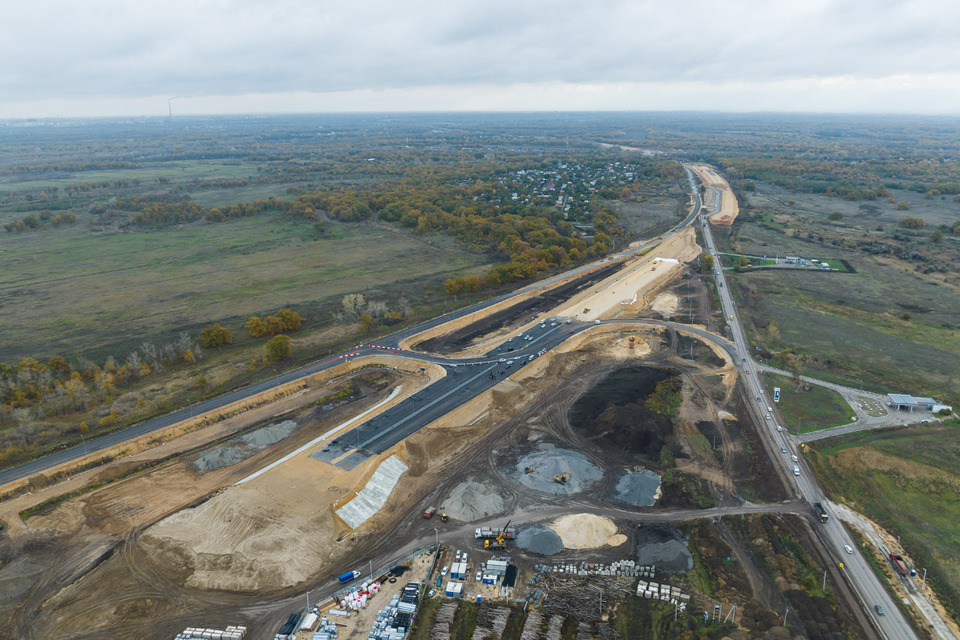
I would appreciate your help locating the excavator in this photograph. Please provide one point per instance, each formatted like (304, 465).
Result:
(443, 516)
(528, 469)
(562, 478)
(499, 542)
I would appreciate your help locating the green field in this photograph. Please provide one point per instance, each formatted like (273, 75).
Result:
(818, 408)
(884, 327)
(68, 291)
(907, 480)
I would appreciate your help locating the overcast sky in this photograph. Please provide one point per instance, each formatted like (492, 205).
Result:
(128, 57)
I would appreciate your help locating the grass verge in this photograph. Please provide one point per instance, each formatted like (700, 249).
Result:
(818, 408)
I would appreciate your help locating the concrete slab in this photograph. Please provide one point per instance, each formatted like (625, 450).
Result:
(374, 495)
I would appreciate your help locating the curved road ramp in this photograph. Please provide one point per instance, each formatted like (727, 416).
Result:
(374, 495)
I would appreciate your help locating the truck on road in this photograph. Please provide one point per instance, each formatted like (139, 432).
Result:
(348, 576)
(821, 512)
(898, 564)
(429, 512)
(486, 533)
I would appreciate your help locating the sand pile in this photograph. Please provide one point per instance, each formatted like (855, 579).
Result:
(471, 501)
(242, 447)
(542, 541)
(587, 531)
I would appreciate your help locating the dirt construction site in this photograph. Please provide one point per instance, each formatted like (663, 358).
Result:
(622, 447)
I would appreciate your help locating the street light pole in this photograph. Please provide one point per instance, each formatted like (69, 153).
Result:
(437, 535)
(84, 443)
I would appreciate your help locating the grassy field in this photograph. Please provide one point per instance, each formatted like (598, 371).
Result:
(818, 408)
(174, 170)
(66, 291)
(908, 480)
(889, 328)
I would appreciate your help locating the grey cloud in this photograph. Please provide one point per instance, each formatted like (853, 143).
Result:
(61, 49)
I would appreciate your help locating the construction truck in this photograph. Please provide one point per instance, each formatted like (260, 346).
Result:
(500, 541)
(562, 478)
(429, 512)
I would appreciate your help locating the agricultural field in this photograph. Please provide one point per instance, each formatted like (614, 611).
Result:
(906, 480)
(68, 291)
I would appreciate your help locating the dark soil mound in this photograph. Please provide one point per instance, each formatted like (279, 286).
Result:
(613, 414)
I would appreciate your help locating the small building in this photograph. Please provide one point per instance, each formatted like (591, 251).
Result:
(905, 401)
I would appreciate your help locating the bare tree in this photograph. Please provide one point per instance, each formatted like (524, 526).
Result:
(133, 361)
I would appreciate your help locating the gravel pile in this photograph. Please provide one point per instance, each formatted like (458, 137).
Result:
(470, 501)
(220, 457)
(546, 542)
(664, 547)
(639, 488)
(549, 461)
(266, 436)
(242, 447)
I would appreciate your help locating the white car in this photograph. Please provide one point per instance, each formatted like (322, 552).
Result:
(847, 548)
(479, 576)
(432, 593)
(779, 428)
(795, 459)
(443, 571)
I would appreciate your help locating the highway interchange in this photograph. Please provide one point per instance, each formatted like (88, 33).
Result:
(467, 378)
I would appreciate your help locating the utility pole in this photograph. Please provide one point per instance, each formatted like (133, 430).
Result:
(308, 600)
(924, 585)
(601, 597)
(824, 587)
(437, 535)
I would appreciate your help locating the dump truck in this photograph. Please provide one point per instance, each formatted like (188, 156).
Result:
(429, 512)
(348, 576)
(899, 565)
(821, 512)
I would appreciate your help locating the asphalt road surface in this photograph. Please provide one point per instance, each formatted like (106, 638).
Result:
(834, 536)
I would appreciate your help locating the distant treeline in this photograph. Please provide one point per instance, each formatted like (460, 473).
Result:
(43, 220)
(863, 180)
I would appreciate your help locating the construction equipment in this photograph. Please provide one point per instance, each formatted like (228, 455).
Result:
(429, 512)
(528, 469)
(443, 517)
(562, 478)
(498, 542)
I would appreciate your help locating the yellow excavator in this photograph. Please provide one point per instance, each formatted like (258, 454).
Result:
(562, 478)
(528, 469)
(499, 542)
